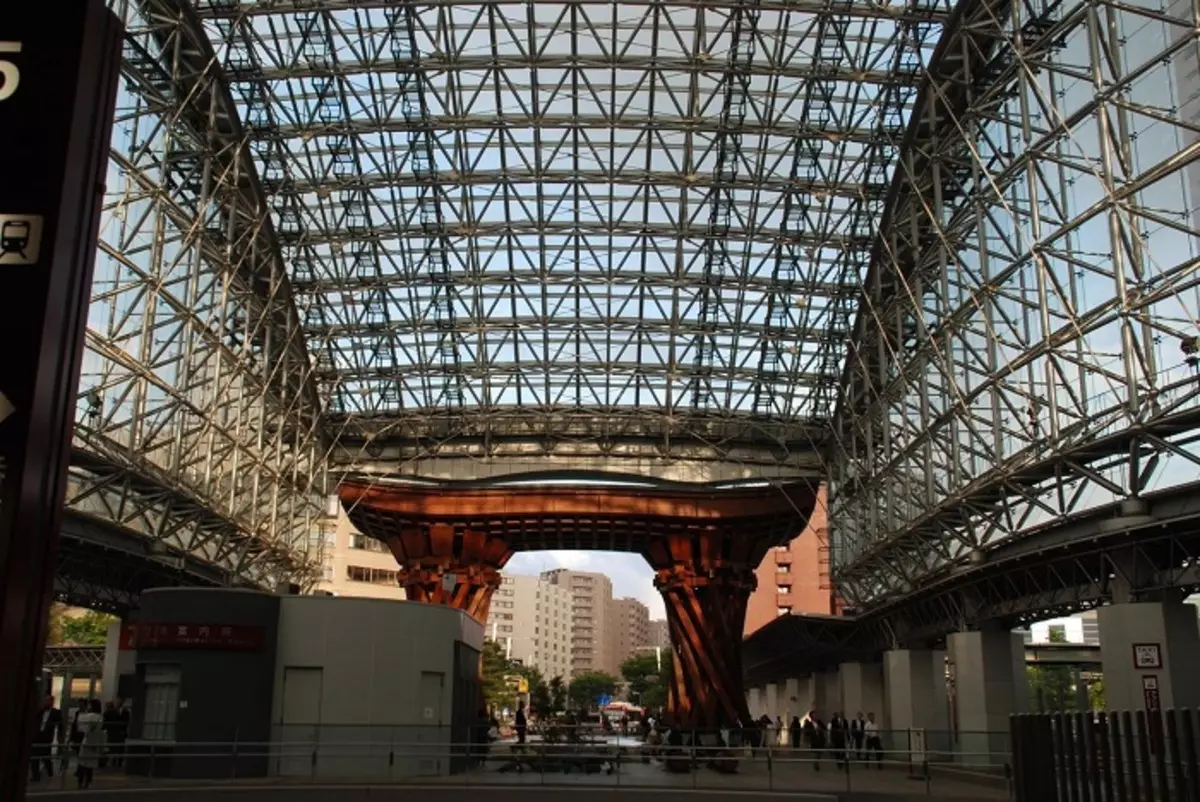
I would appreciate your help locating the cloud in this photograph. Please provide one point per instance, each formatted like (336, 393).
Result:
(630, 574)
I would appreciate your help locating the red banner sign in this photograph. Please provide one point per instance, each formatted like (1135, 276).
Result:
(192, 636)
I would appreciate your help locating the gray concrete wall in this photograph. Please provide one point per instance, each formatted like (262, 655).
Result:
(1172, 626)
(377, 679)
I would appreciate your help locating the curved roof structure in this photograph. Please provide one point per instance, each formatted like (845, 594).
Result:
(577, 219)
(941, 256)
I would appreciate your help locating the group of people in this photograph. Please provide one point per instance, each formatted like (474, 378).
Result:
(94, 735)
(841, 739)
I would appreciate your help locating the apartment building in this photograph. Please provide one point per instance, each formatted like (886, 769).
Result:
(629, 629)
(356, 565)
(531, 619)
(659, 634)
(592, 647)
(794, 578)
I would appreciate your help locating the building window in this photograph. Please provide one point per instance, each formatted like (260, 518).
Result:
(162, 703)
(784, 588)
(376, 576)
(784, 568)
(783, 611)
(364, 543)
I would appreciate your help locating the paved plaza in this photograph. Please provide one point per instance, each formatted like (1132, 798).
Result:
(630, 779)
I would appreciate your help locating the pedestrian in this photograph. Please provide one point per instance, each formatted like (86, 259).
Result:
(874, 741)
(857, 735)
(814, 737)
(838, 732)
(90, 727)
(794, 732)
(521, 723)
(48, 730)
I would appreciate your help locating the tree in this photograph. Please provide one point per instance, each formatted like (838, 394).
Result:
(54, 631)
(539, 699)
(640, 671)
(647, 680)
(496, 691)
(89, 629)
(558, 695)
(587, 688)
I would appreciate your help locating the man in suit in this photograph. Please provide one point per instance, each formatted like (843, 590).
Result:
(858, 734)
(47, 730)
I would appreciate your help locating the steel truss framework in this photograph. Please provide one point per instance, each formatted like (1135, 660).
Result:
(1121, 552)
(950, 250)
(1020, 351)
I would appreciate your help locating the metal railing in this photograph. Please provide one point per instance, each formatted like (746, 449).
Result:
(698, 762)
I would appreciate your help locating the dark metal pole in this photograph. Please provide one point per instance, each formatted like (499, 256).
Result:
(59, 64)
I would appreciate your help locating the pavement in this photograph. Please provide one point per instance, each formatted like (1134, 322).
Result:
(631, 781)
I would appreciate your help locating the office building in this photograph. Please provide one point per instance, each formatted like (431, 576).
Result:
(629, 629)
(531, 619)
(592, 647)
(660, 634)
(355, 565)
(794, 578)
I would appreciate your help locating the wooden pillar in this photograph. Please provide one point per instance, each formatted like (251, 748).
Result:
(427, 554)
(706, 581)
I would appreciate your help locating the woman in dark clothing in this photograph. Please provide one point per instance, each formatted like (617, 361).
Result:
(794, 732)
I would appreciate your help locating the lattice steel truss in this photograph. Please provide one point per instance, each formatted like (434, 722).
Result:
(199, 419)
(962, 275)
(1026, 343)
(577, 222)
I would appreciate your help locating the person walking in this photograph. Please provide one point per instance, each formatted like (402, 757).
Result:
(794, 731)
(48, 730)
(857, 735)
(90, 729)
(522, 723)
(814, 736)
(874, 741)
(838, 732)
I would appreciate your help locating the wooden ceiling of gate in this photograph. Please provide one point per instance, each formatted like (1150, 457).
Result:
(598, 518)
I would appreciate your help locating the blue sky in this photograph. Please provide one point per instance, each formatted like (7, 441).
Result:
(630, 574)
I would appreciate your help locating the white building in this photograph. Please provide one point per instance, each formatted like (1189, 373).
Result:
(531, 619)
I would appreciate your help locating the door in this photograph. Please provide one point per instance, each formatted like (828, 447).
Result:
(432, 729)
(300, 721)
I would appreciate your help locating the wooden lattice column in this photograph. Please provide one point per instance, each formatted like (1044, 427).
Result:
(427, 554)
(706, 582)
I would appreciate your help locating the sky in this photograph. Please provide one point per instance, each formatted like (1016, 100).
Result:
(630, 574)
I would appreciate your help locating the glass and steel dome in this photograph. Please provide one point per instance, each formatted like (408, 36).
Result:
(588, 218)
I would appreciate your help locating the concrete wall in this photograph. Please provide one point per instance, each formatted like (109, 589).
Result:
(1173, 628)
(378, 674)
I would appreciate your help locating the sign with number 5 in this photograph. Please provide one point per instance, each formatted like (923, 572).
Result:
(10, 74)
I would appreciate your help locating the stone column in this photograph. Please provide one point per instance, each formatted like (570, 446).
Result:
(914, 689)
(1136, 636)
(829, 693)
(990, 686)
(754, 701)
(862, 691)
(771, 692)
